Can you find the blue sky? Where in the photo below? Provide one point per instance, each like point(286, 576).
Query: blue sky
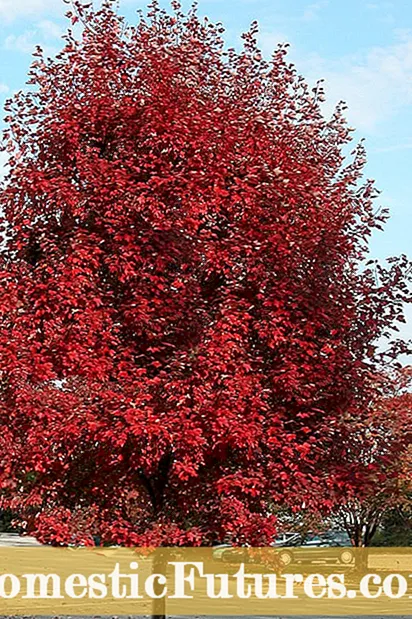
point(362, 48)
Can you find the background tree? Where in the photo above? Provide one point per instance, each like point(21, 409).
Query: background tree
point(378, 466)
point(396, 526)
point(186, 335)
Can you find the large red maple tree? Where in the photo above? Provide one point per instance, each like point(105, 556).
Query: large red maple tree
point(185, 322)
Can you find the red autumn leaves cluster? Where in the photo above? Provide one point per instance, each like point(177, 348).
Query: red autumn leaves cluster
point(185, 328)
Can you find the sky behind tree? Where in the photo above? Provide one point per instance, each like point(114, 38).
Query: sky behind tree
point(362, 48)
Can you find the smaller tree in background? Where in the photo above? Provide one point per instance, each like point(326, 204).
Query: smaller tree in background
point(378, 465)
point(396, 526)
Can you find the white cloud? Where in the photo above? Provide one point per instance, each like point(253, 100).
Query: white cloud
point(50, 29)
point(392, 148)
point(375, 6)
point(42, 35)
point(23, 43)
point(375, 84)
point(13, 9)
point(268, 41)
point(3, 88)
point(312, 11)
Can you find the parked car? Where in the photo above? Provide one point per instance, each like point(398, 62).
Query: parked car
point(295, 550)
point(283, 539)
point(220, 549)
point(227, 552)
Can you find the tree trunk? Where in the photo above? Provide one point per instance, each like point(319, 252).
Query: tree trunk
point(155, 487)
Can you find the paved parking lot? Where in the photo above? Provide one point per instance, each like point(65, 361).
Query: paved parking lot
point(13, 539)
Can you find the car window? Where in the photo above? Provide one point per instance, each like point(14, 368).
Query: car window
point(312, 537)
point(338, 537)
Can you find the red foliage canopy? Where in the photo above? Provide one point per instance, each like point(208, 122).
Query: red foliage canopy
point(184, 322)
